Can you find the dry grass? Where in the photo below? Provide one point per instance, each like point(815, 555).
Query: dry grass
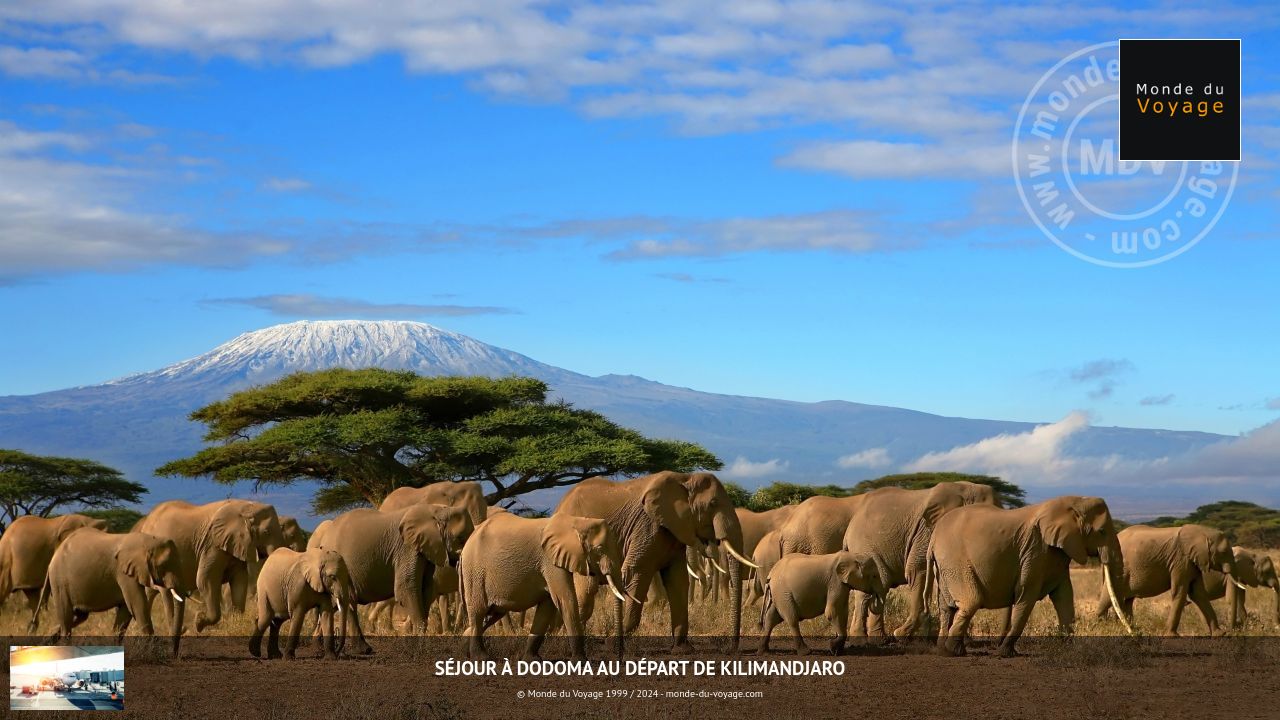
point(713, 619)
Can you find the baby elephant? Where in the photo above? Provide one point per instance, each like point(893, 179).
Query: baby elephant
point(513, 563)
point(290, 585)
point(806, 586)
point(92, 571)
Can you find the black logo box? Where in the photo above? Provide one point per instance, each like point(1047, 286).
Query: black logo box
point(1187, 68)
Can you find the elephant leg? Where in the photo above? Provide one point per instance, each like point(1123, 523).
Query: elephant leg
point(121, 622)
point(166, 602)
point(210, 588)
point(858, 620)
point(1235, 606)
point(676, 580)
point(361, 646)
point(264, 622)
point(769, 619)
point(542, 618)
point(1200, 597)
point(837, 612)
point(560, 583)
point(875, 618)
point(1176, 600)
point(952, 642)
point(477, 610)
point(295, 629)
point(238, 589)
point(793, 621)
point(273, 640)
point(32, 596)
point(1063, 598)
point(915, 606)
point(135, 602)
point(1021, 614)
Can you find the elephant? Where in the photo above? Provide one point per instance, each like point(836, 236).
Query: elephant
point(985, 557)
point(655, 517)
point(1252, 570)
point(290, 585)
point(513, 563)
point(893, 526)
point(767, 554)
point(295, 538)
point(92, 571)
point(1188, 560)
point(28, 545)
point(445, 585)
point(755, 525)
point(394, 555)
point(218, 542)
point(466, 495)
point(800, 587)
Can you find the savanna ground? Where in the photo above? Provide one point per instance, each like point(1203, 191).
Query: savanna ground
point(1100, 673)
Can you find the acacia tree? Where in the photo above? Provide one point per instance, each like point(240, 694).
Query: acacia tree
point(39, 485)
point(363, 433)
point(1008, 494)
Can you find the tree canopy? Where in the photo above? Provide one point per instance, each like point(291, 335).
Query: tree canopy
point(118, 519)
point(1008, 494)
point(363, 433)
point(39, 485)
point(1245, 523)
point(778, 494)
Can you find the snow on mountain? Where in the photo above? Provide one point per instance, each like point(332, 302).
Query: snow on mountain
point(265, 355)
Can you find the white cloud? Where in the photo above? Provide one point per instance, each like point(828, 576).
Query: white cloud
point(876, 159)
point(286, 185)
point(872, 458)
point(746, 469)
point(1036, 456)
point(315, 306)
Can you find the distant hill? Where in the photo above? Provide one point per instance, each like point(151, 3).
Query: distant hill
point(139, 422)
point(1246, 523)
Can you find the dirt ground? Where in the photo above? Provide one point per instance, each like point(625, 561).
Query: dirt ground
point(1084, 677)
point(1099, 673)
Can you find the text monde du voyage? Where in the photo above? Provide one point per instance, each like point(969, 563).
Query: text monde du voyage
point(1179, 99)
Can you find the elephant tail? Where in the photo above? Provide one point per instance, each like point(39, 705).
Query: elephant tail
point(767, 604)
point(930, 581)
point(35, 614)
point(462, 591)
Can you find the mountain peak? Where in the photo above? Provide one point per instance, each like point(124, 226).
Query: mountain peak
point(264, 355)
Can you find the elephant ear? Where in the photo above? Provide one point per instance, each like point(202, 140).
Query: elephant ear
point(423, 527)
point(133, 558)
point(311, 570)
point(1060, 526)
point(942, 499)
point(565, 540)
point(849, 568)
point(228, 530)
point(666, 500)
point(1197, 547)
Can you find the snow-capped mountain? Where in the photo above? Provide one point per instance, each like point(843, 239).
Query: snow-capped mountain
point(265, 355)
point(139, 422)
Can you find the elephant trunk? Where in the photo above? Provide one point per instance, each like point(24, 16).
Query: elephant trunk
point(179, 611)
point(1277, 589)
point(729, 533)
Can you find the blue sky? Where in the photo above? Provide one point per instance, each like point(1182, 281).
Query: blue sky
point(806, 201)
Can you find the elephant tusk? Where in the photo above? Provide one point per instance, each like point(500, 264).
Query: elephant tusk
point(175, 595)
point(729, 547)
point(635, 599)
point(614, 588)
point(1238, 583)
point(716, 565)
point(692, 574)
point(1115, 601)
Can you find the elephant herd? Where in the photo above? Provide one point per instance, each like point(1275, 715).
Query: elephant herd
point(955, 544)
point(668, 535)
